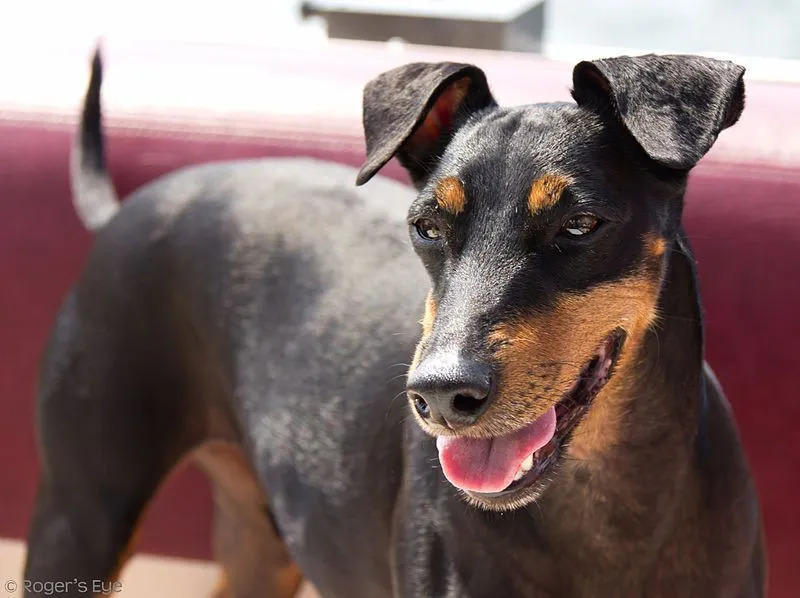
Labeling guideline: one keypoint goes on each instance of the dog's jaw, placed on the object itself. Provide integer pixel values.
(533, 471)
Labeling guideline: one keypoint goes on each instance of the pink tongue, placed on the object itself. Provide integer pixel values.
(489, 465)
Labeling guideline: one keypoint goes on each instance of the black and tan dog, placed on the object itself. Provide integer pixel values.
(568, 440)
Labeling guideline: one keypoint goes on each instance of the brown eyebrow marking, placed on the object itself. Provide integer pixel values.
(546, 191)
(450, 195)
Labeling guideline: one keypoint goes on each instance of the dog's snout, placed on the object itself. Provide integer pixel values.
(451, 392)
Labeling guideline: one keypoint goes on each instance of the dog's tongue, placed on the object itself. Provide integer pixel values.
(489, 465)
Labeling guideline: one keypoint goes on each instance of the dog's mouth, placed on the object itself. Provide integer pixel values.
(504, 467)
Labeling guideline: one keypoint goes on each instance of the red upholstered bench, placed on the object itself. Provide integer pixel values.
(169, 106)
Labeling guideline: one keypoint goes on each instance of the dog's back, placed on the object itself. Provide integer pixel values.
(220, 305)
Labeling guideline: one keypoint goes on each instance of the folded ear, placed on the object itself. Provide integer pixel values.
(412, 112)
(674, 106)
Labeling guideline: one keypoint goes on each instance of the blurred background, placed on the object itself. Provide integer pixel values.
(757, 28)
(188, 82)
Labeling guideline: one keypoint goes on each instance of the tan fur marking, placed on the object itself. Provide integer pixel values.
(222, 589)
(541, 356)
(430, 315)
(546, 191)
(427, 327)
(450, 195)
(254, 558)
(656, 246)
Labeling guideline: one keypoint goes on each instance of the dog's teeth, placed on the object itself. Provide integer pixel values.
(524, 468)
(527, 464)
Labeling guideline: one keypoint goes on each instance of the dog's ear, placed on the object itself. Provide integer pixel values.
(412, 112)
(674, 106)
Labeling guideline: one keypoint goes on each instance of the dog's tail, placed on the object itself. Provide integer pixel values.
(93, 193)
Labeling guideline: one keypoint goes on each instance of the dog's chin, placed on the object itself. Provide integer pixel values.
(539, 468)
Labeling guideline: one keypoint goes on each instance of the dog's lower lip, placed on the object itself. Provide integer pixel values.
(569, 412)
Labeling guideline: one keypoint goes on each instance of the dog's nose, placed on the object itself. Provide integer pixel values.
(450, 392)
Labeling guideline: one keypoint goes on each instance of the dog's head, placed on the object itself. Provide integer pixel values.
(546, 230)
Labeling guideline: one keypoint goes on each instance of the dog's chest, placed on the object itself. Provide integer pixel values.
(559, 547)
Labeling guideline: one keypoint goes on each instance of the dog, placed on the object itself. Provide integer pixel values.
(561, 434)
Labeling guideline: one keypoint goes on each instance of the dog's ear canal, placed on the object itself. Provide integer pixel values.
(412, 112)
(674, 106)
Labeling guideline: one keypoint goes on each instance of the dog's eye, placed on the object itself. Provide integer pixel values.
(427, 229)
(580, 225)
